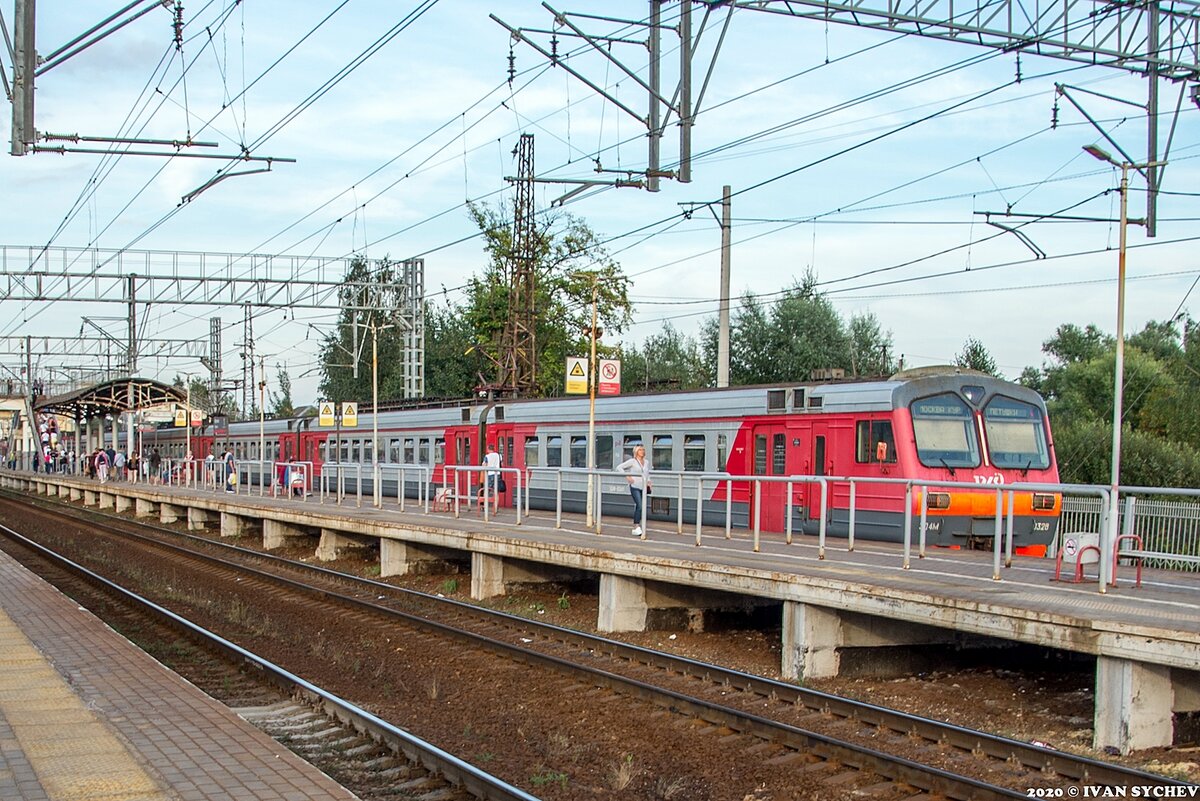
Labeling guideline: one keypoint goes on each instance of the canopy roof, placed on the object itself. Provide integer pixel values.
(120, 395)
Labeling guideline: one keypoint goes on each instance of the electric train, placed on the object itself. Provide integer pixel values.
(927, 425)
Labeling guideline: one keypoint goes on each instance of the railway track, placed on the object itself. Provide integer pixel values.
(872, 748)
(365, 754)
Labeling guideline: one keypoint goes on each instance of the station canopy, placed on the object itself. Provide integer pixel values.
(118, 396)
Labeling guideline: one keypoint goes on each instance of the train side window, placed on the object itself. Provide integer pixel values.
(693, 452)
(875, 442)
(423, 451)
(369, 452)
(819, 456)
(631, 442)
(604, 452)
(460, 451)
(508, 450)
(531, 452)
(439, 450)
(410, 452)
(722, 451)
(393, 454)
(344, 452)
(779, 455)
(664, 457)
(760, 454)
(322, 450)
(554, 451)
(578, 451)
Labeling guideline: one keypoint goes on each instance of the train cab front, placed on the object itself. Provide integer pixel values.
(992, 434)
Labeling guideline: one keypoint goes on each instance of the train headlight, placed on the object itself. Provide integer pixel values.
(1043, 502)
(937, 500)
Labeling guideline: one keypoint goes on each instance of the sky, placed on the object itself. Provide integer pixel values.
(867, 157)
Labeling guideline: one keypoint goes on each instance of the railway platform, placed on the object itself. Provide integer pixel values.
(835, 602)
(87, 716)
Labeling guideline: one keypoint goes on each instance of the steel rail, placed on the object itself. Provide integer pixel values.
(1029, 756)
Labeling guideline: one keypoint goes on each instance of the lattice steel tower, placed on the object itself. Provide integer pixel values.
(518, 342)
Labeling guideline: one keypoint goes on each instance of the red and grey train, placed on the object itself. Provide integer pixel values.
(930, 424)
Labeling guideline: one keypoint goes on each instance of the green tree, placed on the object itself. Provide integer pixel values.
(667, 360)
(203, 398)
(569, 262)
(452, 368)
(807, 333)
(872, 352)
(975, 356)
(281, 400)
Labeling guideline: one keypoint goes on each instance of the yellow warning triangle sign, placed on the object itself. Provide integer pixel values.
(577, 370)
(327, 408)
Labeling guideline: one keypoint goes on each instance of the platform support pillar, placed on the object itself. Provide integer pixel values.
(169, 513)
(276, 533)
(487, 576)
(144, 508)
(76, 494)
(233, 525)
(811, 636)
(107, 500)
(1134, 701)
(623, 604)
(90, 497)
(197, 519)
(335, 543)
(123, 503)
(401, 558)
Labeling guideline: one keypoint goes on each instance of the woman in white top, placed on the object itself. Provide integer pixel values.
(491, 463)
(637, 472)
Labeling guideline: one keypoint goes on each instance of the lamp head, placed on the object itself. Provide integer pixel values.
(1100, 153)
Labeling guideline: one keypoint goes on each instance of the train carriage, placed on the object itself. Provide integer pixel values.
(927, 425)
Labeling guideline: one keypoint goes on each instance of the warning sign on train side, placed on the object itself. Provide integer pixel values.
(325, 418)
(577, 376)
(350, 414)
(609, 377)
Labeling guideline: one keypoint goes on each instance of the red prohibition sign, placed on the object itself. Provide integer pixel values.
(609, 370)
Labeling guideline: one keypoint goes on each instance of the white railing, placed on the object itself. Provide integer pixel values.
(483, 492)
(1169, 529)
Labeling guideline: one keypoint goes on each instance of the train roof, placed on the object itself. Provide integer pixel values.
(840, 396)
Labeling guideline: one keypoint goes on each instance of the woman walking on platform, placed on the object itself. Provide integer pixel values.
(637, 472)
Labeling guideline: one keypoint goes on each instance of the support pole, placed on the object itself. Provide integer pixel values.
(723, 314)
(591, 435)
(653, 119)
(24, 67)
(1152, 121)
(685, 92)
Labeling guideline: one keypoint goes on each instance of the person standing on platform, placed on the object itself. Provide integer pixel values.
(491, 464)
(637, 473)
(101, 465)
(231, 475)
(119, 466)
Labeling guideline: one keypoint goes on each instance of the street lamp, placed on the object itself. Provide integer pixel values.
(1119, 369)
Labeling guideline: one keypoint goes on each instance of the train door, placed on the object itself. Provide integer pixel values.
(502, 435)
(459, 451)
(819, 462)
(769, 459)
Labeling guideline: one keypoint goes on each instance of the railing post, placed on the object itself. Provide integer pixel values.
(598, 501)
(757, 510)
(1008, 546)
(996, 536)
(558, 499)
(517, 477)
(457, 501)
(699, 506)
(924, 521)
(908, 497)
(787, 510)
(850, 534)
(679, 495)
(358, 479)
(821, 531)
(729, 508)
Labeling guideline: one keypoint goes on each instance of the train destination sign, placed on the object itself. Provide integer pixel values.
(609, 377)
(577, 376)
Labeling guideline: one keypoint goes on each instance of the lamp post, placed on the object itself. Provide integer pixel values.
(262, 439)
(376, 487)
(1114, 505)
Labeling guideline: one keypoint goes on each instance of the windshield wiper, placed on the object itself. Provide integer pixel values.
(1025, 469)
(946, 465)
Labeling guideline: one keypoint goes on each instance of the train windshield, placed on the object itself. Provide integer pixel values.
(944, 432)
(1016, 434)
